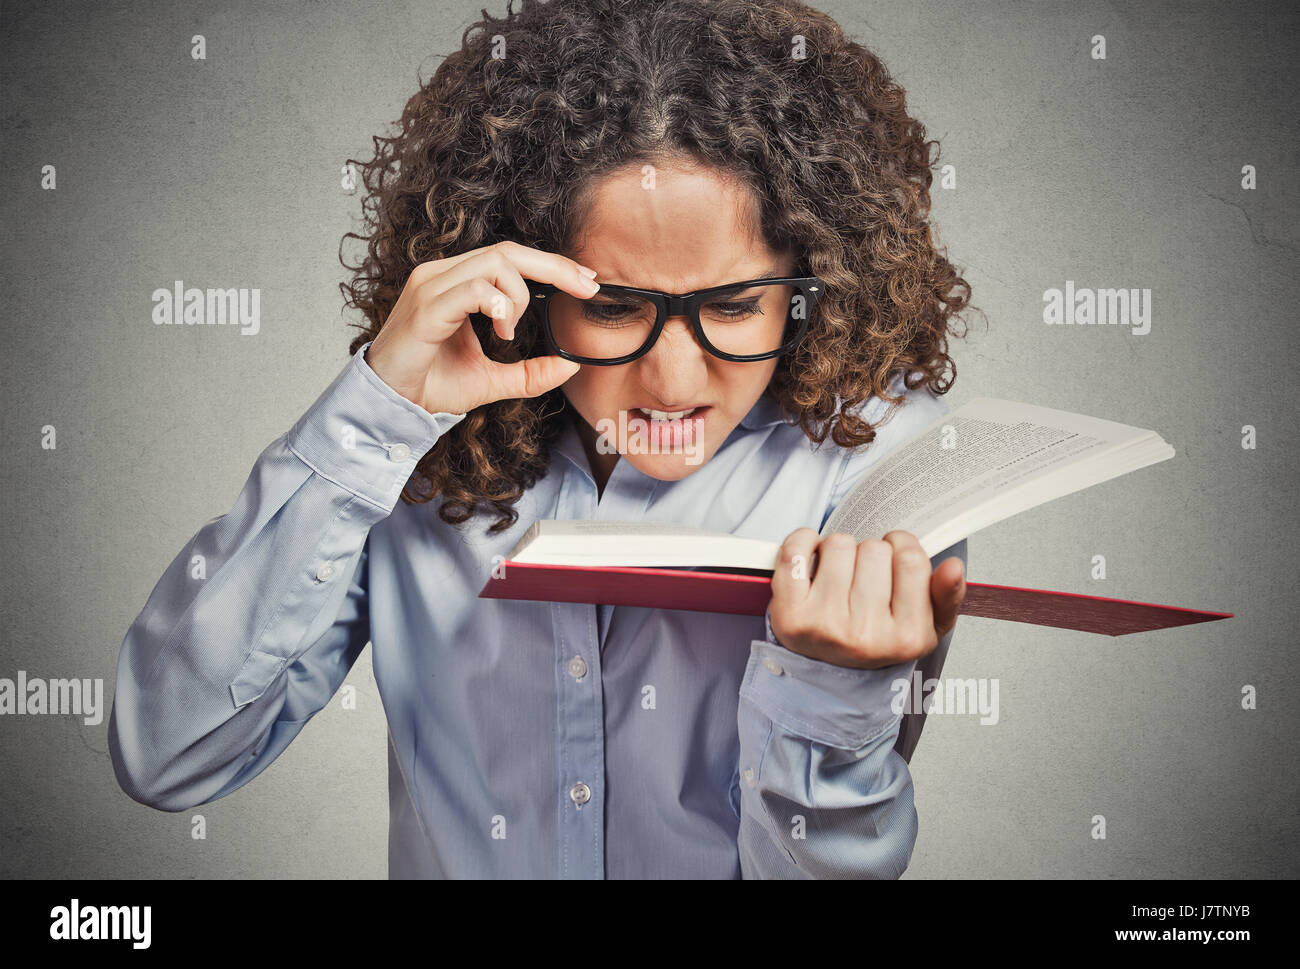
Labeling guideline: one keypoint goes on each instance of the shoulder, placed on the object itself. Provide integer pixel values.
(897, 422)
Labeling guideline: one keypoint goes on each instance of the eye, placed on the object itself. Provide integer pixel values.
(734, 309)
(610, 313)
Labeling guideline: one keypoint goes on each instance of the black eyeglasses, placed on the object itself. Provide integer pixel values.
(753, 320)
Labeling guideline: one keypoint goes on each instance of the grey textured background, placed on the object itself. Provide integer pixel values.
(1123, 172)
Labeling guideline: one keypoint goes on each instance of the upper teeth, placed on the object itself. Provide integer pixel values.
(663, 415)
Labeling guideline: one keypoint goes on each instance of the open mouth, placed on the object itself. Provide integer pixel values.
(666, 415)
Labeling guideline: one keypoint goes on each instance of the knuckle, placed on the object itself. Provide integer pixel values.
(500, 258)
(911, 556)
(917, 644)
(859, 637)
(838, 540)
(795, 539)
(908, 643)
(427, 298)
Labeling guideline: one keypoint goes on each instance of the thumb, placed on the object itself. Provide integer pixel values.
(947, 590)
(535, 376)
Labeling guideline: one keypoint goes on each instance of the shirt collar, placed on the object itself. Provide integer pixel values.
(570, 445)
(764, 413)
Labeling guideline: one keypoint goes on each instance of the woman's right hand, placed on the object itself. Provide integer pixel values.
(428, 352)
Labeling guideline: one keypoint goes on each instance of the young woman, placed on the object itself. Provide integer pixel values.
(571, 153)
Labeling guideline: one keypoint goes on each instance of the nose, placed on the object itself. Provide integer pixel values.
(676, 370)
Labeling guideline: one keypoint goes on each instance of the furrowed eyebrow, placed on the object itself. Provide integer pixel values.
(770, 274)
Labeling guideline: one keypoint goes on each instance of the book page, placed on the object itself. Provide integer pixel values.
(611, 527)
(985, 451)
(639, 543)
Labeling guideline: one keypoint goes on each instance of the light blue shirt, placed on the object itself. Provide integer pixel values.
(526, 739)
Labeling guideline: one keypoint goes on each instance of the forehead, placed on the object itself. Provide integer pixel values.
(672, 228)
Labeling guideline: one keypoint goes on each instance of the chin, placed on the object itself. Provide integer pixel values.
(668, 467)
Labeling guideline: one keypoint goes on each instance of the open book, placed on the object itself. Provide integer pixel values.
(982, 463)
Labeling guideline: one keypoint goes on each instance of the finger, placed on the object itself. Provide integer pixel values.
(507, 246)
(792, 576)
(910, 601)
(503, 274)
(508, 279)
(947, 590)
(492, 266)
(873, 582)
(505, 257)
(531, 377)
(441, 315)
(834, 577)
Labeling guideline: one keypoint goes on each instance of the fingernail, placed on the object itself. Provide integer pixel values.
(592, 286)
(589, 272)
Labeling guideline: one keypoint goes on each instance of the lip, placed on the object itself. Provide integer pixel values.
(698, 412)
(670, 436)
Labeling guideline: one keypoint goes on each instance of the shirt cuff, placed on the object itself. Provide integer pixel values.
(364, 436)
(834, 705)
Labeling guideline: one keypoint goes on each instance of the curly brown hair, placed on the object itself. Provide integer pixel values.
(507, 138)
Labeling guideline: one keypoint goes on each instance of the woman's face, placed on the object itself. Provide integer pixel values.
(676, 230)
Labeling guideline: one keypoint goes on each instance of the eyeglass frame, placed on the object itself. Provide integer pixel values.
(668, 305)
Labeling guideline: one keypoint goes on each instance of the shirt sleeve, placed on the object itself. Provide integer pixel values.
(257, 620)
(823, 794)
(823, 791)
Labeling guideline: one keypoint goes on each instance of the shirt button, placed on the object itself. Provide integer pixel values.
(325, 572)
(577, 668)
(580, 793)
(749, 776)
(772, 666)
(399, 452)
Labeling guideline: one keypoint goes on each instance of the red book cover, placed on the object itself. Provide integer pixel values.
(748, 595)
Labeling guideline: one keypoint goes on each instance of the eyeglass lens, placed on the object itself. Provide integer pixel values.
(748, 320)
